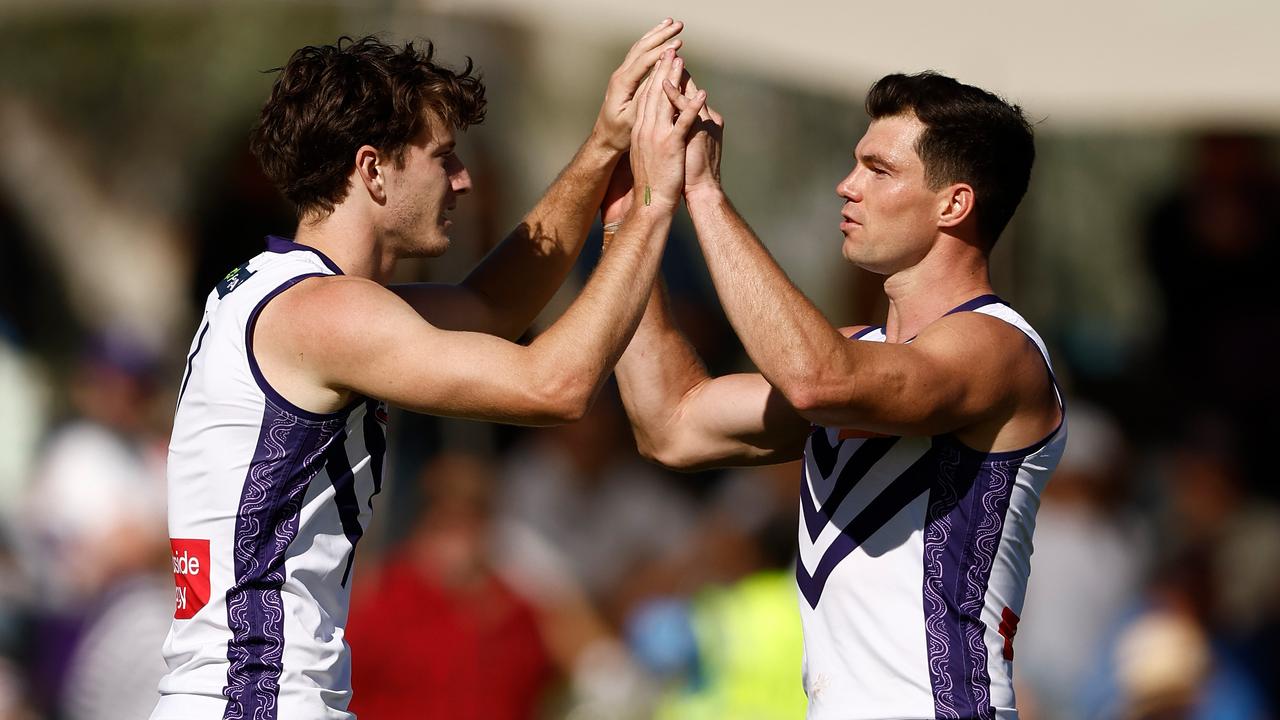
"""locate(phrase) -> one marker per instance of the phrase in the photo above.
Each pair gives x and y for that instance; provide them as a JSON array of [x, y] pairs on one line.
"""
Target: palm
[[618, 196], [702, 157]]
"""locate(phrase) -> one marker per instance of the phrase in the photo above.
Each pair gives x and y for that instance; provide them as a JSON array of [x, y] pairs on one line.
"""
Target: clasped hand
[[676, 143]]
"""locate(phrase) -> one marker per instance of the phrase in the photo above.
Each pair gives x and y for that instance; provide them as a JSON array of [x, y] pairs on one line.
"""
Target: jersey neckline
[[278, 244]]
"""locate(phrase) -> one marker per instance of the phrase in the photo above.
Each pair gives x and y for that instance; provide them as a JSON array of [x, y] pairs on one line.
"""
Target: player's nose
[[461, 180], [847, 188]]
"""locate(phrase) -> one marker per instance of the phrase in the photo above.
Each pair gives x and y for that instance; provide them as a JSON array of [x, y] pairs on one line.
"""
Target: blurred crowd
[[552, 573]]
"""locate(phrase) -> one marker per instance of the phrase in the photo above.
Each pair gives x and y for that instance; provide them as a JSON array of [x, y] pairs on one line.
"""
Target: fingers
[[675, 69], [690, 89], [649, 49], [655, 101], [668, 27], [641, 105], [689, 107]]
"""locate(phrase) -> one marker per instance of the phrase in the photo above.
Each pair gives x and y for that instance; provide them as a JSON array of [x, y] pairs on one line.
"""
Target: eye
[[879, 171]]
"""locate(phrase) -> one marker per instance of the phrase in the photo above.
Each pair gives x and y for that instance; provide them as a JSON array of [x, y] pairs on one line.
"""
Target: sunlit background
[[514, 573]]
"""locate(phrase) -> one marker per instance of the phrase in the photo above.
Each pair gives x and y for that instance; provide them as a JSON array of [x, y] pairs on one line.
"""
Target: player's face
[[889, 218], [423, 192]]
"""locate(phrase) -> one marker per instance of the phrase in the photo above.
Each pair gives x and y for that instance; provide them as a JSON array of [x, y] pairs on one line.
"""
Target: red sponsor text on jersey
[[190, 576], [1008, 628]]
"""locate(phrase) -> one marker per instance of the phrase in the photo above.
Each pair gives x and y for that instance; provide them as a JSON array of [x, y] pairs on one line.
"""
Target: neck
[[952, 273], [349, 241]]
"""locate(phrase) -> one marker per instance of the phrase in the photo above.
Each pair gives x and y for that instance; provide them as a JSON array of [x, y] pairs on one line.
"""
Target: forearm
[[657, 371], [520, 275], [578, 351], [787, 337]]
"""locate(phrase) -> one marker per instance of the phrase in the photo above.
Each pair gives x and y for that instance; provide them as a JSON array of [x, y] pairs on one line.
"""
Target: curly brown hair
[[329, 100]]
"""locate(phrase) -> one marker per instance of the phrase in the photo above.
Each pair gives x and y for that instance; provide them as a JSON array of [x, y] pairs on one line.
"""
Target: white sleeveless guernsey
[[266, 504], [913, 565]]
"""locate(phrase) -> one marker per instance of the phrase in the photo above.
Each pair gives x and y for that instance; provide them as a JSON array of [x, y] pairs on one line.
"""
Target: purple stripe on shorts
[[967, 504], [290, 452]]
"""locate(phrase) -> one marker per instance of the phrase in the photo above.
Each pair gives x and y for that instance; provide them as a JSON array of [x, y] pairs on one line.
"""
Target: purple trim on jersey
[[375, 443], [900, 493], [290, 452], [823, 456], [974, 304], [967, 504], [258, 377], [277, 244], [343, 478], [190, 360], [865, 332]]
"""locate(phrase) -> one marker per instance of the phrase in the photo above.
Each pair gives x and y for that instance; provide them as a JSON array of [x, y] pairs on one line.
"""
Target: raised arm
[[507, 290], [965, 370], [683, 418], [344, 335]]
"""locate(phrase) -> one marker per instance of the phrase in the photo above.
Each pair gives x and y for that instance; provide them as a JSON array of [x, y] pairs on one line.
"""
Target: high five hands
[[676, 143]]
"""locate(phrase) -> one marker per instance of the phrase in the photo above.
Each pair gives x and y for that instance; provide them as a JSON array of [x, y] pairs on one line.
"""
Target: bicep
[[448, 307], [734, 420], [951, 376], [380, 347]]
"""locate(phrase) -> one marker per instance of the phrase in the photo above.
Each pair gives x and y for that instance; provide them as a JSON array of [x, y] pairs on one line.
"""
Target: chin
[[432, 247], [866, 263]]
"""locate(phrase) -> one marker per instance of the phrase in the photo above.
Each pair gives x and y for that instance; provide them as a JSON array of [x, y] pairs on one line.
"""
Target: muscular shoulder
[[1004, 366], [988, 341], [330, 309], [323, 328]]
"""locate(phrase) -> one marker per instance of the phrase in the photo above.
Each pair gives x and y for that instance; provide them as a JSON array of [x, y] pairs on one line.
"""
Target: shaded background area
[[552, 573]]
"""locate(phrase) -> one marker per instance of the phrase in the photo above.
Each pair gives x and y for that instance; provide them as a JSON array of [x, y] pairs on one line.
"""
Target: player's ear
[[955, 203], [368, 173]]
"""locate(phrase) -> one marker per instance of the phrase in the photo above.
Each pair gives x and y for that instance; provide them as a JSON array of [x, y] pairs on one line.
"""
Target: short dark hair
[[970, 136], [328, 100]]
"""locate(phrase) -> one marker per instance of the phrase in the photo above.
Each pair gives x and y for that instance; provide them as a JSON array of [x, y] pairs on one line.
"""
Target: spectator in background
[[1235, 535], [1166, 661], [1213, 244], [730, 648], [92, 531], [1090, 557], [436, 633], [617, 523]]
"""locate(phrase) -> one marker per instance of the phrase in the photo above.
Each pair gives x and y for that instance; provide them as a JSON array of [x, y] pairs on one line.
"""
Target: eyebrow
[[874, 159]]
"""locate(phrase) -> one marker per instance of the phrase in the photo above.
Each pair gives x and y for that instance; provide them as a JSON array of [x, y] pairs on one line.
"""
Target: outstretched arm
[[507, 290], [343, 335]]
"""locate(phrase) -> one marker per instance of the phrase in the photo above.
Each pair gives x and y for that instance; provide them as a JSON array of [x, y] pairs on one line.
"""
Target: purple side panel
[[290, 452], [967, 506]]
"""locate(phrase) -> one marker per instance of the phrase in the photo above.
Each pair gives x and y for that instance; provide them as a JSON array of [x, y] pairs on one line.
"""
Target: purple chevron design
[[968, 502], [291, 451], [900, 493], [824, 461]]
